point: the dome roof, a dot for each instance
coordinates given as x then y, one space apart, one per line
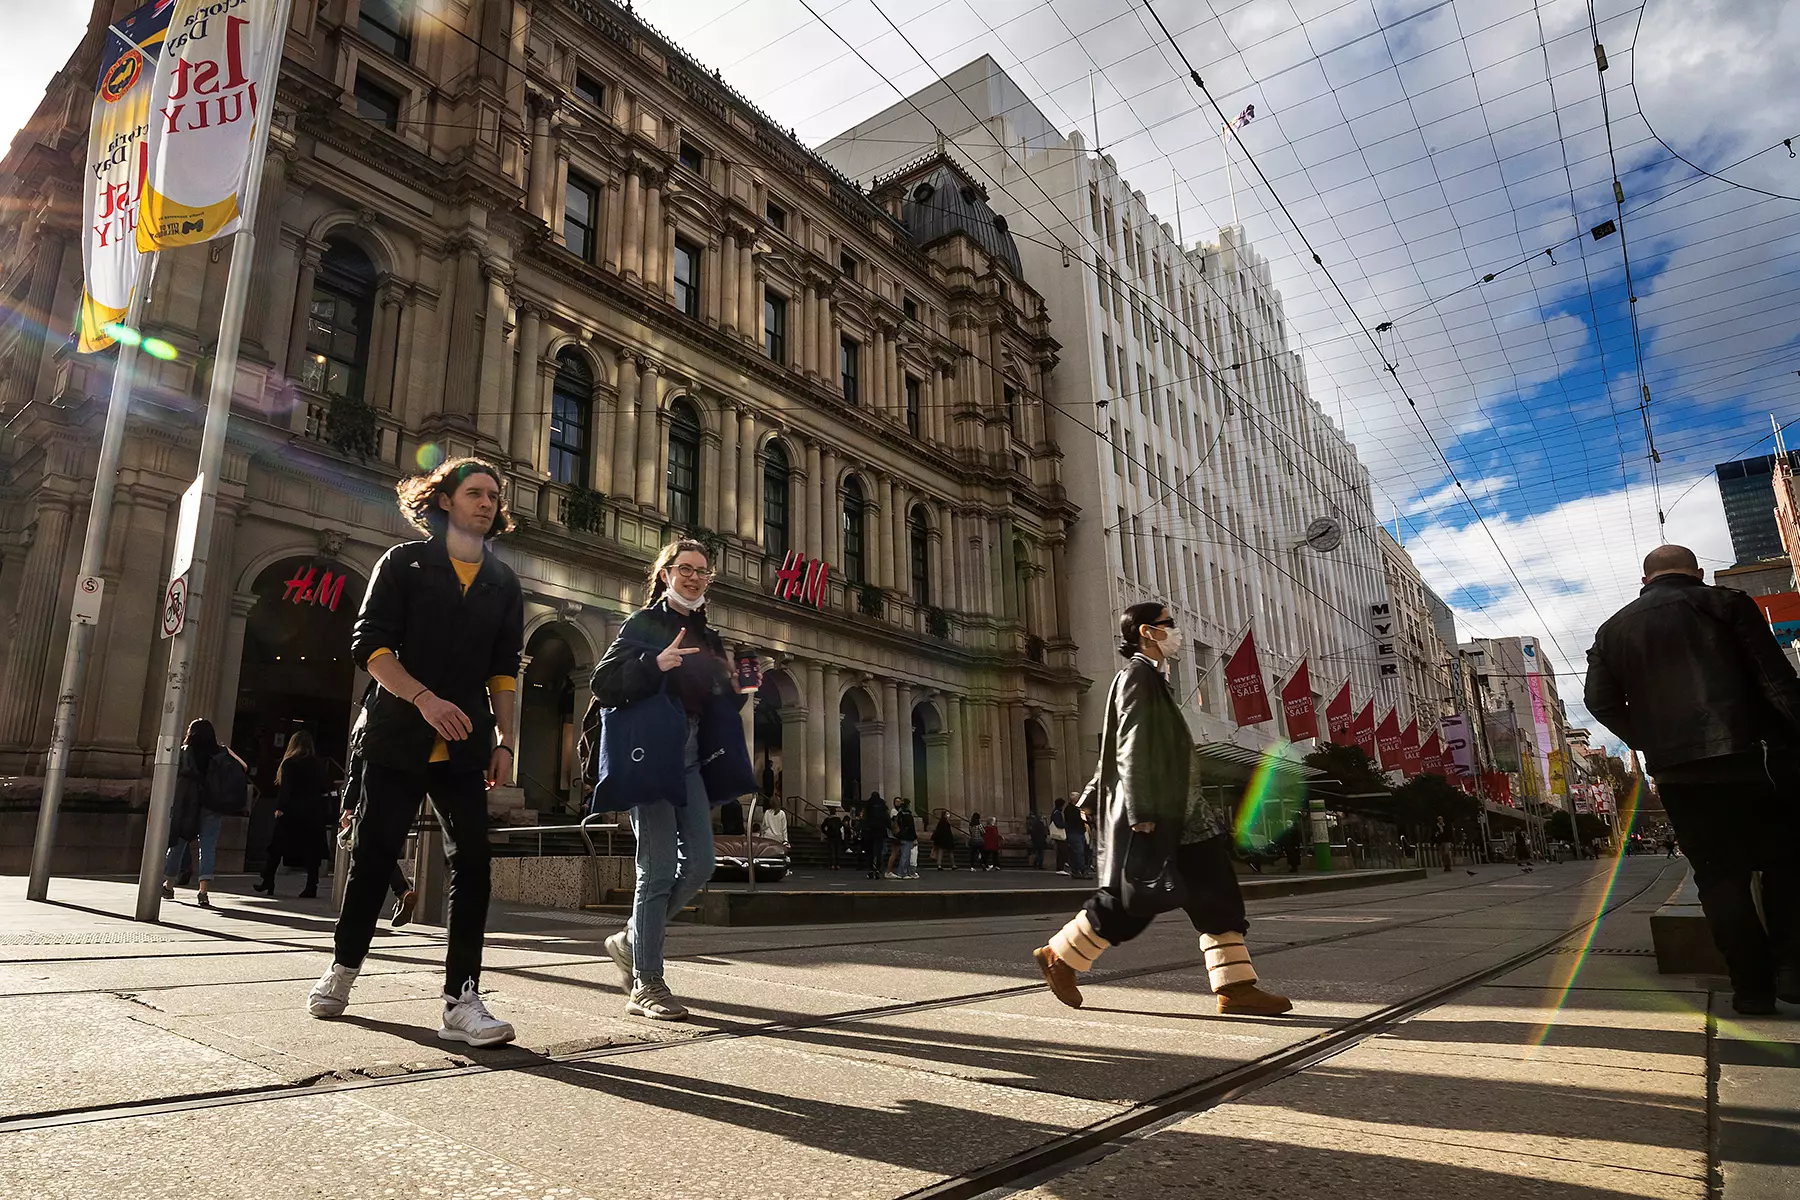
941 201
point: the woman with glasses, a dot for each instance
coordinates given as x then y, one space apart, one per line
668 642
1162 845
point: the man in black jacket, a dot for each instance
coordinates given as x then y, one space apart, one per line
1692 677
440 632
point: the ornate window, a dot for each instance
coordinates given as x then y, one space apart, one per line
918 536
775 501
340 314
855 510
571 402
684 465
581 217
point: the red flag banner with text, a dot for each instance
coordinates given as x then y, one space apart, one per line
1297 702
1387 741
1243 679
1339 715
203 120
110 259
1362 730
1409 748
1431 755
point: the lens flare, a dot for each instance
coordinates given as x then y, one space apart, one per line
125 335
1257 793
1627 818
158 349
429 456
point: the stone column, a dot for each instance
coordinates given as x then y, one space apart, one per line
493 393
1016 758
833 790
624 443
806 341
726 520
829 340
668 258
956 716
890 743
902 543
750 307
310 255
831 531
884 533
613 197
526 418
1059 588
212 612
896 385
404 409
231 664
462 376
649 470
749 479
817 730
712 482
260 299
729 292
934 541
543 168
654 267
117 670
632 260
908 774
815 537
955 550
384 343
34 630
874 379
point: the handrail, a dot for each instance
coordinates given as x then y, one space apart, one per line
584 828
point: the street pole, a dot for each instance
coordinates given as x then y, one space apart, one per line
212 457
93 553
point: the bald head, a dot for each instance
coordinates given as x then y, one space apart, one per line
1671 560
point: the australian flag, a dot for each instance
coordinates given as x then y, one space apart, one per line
141 29
1244 117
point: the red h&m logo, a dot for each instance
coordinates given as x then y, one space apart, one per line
802 579
313 586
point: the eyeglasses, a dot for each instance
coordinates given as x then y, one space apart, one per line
1169 624
688 571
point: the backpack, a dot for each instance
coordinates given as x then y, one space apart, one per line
227 788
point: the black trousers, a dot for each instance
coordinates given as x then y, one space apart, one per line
1215 903
390 801
294 838
1732 822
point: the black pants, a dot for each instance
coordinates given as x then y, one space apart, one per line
390 801
878 849
832 847
1731 823
294 838
1215 903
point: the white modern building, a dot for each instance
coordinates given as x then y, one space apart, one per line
1190 444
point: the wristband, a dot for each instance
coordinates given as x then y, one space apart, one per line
415 698
508 749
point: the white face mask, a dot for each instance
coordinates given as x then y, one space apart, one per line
1171 643
680 602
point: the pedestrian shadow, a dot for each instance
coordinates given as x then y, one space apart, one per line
509 1055
1287 1020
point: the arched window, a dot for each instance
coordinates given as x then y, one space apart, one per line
918 536
684 465
340 313
855 508
1022 583
775 501
571 401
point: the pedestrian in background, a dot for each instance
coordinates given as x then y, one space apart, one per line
990 844
833 830
1059 836
1440 837
731 818
1038 835
1692 677
906 841
302 782
974 838
1077 822
1164 844
775 823
211 784
877 824
943 842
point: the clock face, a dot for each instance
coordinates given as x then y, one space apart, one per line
1324 535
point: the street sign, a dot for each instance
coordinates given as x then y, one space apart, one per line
174 609
187 530
1325 535
88 592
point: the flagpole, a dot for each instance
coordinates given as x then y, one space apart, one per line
1225 148
212 456
93 553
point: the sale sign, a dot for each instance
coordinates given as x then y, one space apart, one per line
204 109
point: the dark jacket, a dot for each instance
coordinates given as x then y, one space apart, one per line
1145 758
302 795
943 835
905 828
876 822
628 674
1688 672
451 642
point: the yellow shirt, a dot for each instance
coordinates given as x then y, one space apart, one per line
465 574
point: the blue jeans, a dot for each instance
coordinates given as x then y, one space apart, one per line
674 861
909 858
209 848
1078 856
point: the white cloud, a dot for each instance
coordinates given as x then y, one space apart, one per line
1449 498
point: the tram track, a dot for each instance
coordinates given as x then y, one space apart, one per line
1170 1106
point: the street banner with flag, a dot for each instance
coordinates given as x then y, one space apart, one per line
1431 755
1409 748
1387 741
1243 679
1297 702
1339 714
1362 730
203 121
1459 749
1559 783
1499 787
110 259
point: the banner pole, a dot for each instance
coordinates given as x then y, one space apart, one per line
93 552
212 457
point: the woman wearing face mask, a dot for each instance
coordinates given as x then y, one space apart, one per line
668 641
1160 843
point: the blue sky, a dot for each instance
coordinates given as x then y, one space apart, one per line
1419 145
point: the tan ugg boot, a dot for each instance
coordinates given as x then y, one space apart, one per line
1059 975
1072 949
1233 978
1248 1000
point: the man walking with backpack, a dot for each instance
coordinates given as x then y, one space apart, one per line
440 632
1692 677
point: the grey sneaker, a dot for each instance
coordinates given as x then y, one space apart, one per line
331 995
619 946
651 999
466 1019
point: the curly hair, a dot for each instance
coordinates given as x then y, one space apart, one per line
418 496
667 555
1145 612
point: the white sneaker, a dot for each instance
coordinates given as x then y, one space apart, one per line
466 1019
619 946
652 999
331 995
